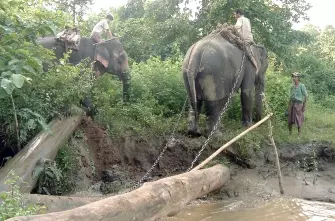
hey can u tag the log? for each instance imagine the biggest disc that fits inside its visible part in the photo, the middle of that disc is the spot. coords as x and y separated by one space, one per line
58 203
152 201
44 146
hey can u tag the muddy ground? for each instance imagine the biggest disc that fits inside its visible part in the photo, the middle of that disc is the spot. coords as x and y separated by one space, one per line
113 166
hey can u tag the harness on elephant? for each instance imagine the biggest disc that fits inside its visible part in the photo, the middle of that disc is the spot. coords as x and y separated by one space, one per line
69 38
230 33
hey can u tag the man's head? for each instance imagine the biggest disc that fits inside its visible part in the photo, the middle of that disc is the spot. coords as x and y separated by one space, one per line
109 17
295 77
238 13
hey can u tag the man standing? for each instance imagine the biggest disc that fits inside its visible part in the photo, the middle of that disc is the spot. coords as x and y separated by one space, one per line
243 27
297 104
101 27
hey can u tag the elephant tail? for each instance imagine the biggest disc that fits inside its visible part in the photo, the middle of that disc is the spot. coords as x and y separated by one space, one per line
191 72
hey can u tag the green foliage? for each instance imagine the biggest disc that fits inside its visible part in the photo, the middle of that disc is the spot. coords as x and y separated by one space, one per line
19 58
76 8
68 163
277 90
150 28
316 62
271 23
157 96
12 203
51 94
47 175
59 177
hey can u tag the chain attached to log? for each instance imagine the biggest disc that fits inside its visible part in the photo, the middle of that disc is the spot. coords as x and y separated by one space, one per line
167 145
171 140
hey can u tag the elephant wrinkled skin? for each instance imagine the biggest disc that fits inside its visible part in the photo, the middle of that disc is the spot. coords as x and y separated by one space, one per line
108 57
210 69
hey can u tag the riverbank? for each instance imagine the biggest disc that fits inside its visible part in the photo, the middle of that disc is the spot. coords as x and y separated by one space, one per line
109 166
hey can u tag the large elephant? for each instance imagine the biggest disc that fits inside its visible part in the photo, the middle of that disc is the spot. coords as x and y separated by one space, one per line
108 57
210 69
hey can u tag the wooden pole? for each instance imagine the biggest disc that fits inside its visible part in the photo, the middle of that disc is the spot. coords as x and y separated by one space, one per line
232 141
280 179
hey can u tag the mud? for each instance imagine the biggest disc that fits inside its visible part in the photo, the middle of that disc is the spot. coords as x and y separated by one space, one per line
112 166
118 164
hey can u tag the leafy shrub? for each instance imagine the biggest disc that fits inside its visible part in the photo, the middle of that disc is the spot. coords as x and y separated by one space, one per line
157 93
49 95
12 203
29 97
277 91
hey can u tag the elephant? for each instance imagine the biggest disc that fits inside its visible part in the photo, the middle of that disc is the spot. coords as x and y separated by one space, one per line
107 56
210 69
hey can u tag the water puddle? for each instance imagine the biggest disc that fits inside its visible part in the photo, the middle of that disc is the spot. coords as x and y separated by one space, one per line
282 209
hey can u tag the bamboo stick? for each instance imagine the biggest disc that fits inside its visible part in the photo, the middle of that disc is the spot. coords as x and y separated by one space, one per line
232 141
280 178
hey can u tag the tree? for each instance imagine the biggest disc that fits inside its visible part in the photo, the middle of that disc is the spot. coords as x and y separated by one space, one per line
133 9
271 21
76 8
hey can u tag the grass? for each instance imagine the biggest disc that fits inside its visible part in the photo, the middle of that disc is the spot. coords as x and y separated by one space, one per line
318 126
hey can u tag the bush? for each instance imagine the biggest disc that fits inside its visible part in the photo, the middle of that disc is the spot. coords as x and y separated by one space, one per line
12 203
49 95
157 96
277 91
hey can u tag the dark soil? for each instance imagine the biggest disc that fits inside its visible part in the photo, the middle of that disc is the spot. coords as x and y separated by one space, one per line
120 163
125 160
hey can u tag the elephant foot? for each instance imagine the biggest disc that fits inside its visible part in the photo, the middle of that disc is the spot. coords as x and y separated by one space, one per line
247 124
194 133
88 107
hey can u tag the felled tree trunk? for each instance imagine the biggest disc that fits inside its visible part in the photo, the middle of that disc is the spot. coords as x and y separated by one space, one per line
58 203
153 200
43 146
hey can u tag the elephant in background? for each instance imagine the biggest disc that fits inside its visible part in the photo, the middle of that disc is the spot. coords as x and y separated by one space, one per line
210 69
107 57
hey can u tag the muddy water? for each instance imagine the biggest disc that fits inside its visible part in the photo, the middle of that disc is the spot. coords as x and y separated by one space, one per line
282 209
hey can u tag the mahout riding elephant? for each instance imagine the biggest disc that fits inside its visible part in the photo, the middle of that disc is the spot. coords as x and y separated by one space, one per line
108 56
210 69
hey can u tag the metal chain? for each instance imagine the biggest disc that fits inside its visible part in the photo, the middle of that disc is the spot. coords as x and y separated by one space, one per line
167 145
219 120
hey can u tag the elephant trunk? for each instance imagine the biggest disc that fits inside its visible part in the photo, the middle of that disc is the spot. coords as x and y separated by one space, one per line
126 79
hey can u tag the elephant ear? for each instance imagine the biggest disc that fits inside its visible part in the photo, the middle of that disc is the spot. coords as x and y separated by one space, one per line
102 55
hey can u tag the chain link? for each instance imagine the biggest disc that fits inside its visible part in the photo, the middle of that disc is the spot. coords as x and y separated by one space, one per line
219 120
167 145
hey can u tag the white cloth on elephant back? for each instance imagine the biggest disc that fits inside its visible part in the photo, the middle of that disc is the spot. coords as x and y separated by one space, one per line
243 26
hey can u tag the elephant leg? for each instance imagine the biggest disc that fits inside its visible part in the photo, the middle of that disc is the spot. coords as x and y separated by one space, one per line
259 99
193 119
213 111
88 106
246 103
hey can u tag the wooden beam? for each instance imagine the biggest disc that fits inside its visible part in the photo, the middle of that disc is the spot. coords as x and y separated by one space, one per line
43 146
152 201
232 141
